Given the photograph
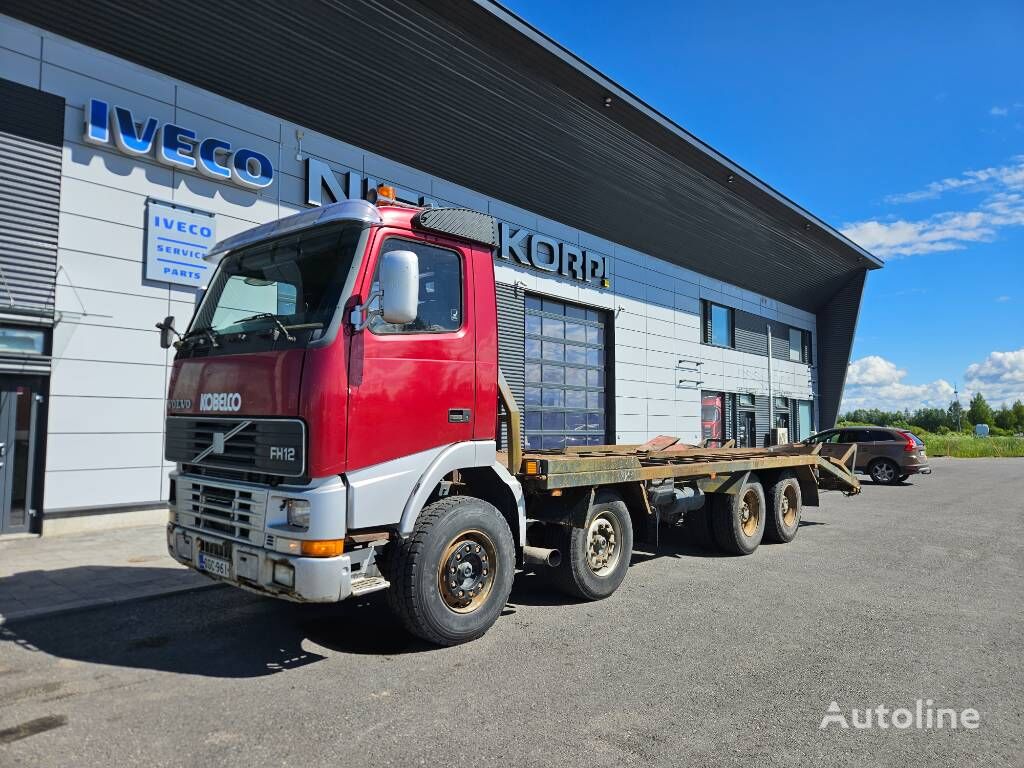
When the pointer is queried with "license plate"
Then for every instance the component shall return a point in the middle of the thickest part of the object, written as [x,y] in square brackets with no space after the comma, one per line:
[214,565]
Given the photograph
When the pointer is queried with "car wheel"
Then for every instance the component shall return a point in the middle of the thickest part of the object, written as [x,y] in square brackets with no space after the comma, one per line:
[884,472]
[903,478]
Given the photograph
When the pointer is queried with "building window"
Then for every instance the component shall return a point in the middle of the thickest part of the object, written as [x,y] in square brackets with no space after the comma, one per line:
[25,341]
[718,325]
[799,345]
[746,401]
[566,371]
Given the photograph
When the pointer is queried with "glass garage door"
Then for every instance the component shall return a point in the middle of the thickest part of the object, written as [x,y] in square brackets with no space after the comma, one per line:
[565,375]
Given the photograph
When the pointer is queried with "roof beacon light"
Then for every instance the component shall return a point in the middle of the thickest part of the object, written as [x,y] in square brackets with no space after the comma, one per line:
[386,195]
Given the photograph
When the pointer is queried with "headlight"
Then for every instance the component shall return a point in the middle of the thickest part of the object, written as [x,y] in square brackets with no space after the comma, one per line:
[298,512]
[284,575]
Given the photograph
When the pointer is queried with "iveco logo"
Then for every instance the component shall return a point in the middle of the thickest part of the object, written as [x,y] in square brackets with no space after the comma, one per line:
[220,401]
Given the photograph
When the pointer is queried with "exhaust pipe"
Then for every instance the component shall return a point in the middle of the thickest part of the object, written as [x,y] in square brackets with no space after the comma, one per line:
[540,556]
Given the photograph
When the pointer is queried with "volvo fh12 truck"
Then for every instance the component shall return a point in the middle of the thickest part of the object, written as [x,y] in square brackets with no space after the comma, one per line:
[340,426]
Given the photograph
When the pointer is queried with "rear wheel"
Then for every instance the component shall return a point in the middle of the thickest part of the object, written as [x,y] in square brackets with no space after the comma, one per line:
[451,577]
[884,471]
[738,520]
[598,554]
[785,507]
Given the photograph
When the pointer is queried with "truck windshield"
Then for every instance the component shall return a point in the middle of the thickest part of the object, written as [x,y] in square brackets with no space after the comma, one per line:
[293,283]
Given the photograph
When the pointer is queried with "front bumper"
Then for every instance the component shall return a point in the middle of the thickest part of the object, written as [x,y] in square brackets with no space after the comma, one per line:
[312,579]
[242,532]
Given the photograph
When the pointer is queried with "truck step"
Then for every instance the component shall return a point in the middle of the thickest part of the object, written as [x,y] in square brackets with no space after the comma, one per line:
[369,584]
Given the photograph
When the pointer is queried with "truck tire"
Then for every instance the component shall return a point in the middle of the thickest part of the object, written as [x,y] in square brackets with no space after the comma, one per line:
[785,508]
[738,520]
[884,471]
[461,541]
[597,555]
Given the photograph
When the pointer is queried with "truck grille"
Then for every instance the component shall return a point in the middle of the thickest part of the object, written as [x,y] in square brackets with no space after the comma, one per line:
[222,510]
[270,446]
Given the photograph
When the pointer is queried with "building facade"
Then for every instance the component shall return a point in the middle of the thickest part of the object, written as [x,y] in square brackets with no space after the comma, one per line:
[705,306]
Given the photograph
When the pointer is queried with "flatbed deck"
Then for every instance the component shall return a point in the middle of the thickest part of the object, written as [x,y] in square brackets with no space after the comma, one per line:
[665,457]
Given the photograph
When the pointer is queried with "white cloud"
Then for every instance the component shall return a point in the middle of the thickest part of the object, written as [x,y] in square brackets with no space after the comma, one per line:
[999,111]
[874,382]
[1002,206]
[999,377]
[1010,176]
[1002,299]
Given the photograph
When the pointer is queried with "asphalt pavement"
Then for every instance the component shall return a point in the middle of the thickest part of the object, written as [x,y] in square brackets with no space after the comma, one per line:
[902,593]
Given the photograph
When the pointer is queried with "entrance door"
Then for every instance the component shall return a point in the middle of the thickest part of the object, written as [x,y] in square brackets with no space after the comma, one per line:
[746,431]
[16,441]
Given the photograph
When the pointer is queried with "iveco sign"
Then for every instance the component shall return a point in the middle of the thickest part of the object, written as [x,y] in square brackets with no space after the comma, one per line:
[520,246]
[176,146]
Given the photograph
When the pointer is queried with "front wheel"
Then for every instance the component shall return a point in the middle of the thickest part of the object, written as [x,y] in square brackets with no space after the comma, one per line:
[883,471]
[599,552]
[451,577]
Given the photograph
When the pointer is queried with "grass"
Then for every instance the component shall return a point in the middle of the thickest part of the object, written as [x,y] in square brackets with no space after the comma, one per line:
[970,447]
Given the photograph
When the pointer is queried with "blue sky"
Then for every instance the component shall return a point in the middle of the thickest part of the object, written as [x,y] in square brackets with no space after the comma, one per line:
[901,123]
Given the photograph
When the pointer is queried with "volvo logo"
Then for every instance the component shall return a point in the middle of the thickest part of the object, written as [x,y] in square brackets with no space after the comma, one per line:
[219,439]
[220,401]
[179,405]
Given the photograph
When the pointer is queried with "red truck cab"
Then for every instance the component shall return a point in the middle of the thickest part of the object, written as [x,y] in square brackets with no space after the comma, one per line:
[308,426]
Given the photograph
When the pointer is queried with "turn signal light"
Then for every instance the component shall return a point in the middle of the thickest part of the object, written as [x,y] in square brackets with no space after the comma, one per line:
[326,548]
[531,467]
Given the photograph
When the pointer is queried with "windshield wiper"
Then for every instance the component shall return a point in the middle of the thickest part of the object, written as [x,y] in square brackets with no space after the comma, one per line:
[210,334]
[280,328]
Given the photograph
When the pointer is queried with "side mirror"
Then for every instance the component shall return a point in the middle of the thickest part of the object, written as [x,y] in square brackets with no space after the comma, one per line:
[167,332]
[400,287]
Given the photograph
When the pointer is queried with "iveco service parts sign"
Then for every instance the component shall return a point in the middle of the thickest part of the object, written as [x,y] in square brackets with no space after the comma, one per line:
[177,240]
[175,146]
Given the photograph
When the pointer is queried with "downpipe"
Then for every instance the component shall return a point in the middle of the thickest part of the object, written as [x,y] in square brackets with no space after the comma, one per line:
[551,558]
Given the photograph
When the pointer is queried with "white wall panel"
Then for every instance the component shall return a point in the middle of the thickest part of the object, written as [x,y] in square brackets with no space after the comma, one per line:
[108,487]
[106,414]
[103,451]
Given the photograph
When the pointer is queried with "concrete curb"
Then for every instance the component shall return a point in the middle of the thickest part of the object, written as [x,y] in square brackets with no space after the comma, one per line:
[104,602]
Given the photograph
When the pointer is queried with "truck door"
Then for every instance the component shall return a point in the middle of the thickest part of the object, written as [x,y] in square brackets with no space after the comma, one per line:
[413,387]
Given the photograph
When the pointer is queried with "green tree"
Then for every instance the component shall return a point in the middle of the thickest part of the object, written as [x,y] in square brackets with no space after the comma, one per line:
[1018,416]
[1003,419]
[954,414]
[930,418]
[979,412]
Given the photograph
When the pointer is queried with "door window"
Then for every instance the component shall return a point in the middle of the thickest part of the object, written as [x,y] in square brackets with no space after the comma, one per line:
[440,294]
